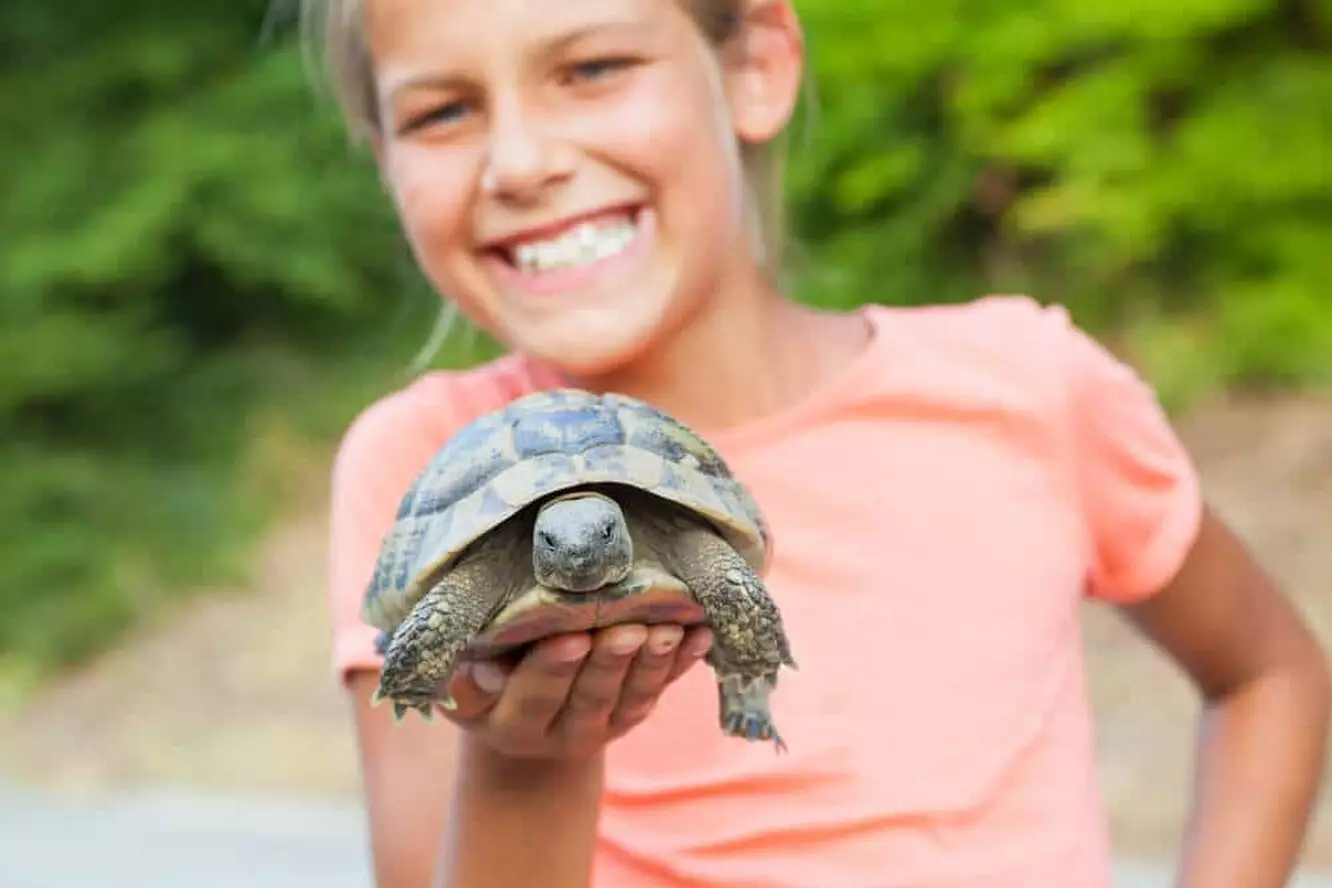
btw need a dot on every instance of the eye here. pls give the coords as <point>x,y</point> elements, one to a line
<point>444,114</point>
<point>597,69</point>
<point>546,539</point>
<point>608,532</point>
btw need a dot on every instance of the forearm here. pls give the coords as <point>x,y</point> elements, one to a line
<point>521,822</point>
<point>1261,752</point>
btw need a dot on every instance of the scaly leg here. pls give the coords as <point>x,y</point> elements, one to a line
<point>750,643</point>
<point>423,650</point>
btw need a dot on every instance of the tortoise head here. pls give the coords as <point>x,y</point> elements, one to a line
<point>581,542</point>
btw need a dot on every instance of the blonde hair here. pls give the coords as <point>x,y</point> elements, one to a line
<point>335,30</point>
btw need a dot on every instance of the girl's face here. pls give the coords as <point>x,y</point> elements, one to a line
<point>568,173</point>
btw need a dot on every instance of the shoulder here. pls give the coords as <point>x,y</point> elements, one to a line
<point>1013,330</point>
<point>1013,342</point>
<point>1006,352</point>
<point>1020,355</point>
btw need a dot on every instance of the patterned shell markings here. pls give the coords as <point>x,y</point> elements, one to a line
<point>537,445</point>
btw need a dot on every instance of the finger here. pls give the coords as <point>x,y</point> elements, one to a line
<point>697,642</point>
<point>597,689</point>
<point>475,688</point>
<point>537,689</point>
<point>647,677</point>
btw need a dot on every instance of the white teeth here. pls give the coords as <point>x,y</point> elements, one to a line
<point>581,245</point>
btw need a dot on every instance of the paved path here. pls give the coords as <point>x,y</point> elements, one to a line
<point>170,840</point>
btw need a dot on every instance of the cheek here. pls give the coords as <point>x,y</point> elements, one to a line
<point>665,131</point>
<point>432,190</point>
<point>431,193</point>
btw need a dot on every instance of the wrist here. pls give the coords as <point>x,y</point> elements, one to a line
<point>503,772</point>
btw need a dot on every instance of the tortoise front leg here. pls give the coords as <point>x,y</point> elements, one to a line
<point>423,650</point>
<point>750,643</point>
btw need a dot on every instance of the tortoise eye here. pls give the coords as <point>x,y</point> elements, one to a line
<point>546,538</point>
<point>608,532</point>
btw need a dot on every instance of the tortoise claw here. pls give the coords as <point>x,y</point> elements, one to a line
<point>745,712</point>
<point>400,707</point>
<point>400,710</point>
<point>753,727</point>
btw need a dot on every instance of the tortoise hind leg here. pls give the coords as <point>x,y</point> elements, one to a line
<point>421,653</point>
<point>750,643</point>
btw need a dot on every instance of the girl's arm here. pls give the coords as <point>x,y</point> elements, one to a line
<point>521,821</point>
<point>407,778</point>
<point>1265,685</point>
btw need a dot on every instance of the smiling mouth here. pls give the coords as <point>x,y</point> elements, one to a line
<point>580,245</point>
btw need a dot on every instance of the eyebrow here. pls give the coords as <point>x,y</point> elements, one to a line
<point>545,47</point>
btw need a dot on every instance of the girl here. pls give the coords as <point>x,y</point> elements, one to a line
<point>588,181</point>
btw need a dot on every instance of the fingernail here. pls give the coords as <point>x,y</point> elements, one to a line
<point>665,640</point>
<point>571,650</point>
<point>488,677</point>
<point>627,641</point>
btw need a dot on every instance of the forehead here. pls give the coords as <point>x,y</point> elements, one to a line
<point>473,28</point>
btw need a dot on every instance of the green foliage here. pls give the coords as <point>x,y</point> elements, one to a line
<point>1149,165</point>
<point>183,242</point>
<point>188,248</point>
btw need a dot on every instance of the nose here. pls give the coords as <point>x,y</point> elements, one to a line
<point>523,158</point>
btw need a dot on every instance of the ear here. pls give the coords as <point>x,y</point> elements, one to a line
<point>764,70</point>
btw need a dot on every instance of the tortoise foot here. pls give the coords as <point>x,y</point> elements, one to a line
<point>745,712</point>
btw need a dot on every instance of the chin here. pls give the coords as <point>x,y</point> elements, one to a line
<point>590,347</point>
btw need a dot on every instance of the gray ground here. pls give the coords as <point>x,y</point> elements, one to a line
<point>171,839</point>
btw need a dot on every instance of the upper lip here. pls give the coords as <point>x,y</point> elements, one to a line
<point>540,232</point>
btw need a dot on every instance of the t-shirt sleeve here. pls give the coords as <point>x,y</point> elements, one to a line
<point>1137,485</point>
<point>379,456</point>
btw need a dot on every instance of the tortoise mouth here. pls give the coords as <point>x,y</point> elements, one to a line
<point>582,581</point>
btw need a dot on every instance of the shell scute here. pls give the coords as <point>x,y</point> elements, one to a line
<point>571,430</point>
<point>535,477</point>
<point>464,466</point>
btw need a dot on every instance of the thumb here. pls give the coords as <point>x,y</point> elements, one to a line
<point>474,687</point>
<point>489,677</point>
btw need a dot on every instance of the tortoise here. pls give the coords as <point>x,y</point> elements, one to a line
<point>566,511</point>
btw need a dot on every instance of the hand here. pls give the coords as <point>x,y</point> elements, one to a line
<point>572,694</point>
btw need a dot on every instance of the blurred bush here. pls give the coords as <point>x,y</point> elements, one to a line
<point>189,252</point>
<point>1161,169</point>
<point>184,248</point>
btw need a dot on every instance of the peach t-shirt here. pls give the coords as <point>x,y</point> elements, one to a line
<point>939,513</point>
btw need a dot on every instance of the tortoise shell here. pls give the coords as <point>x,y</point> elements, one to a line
<point>537,445</point>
